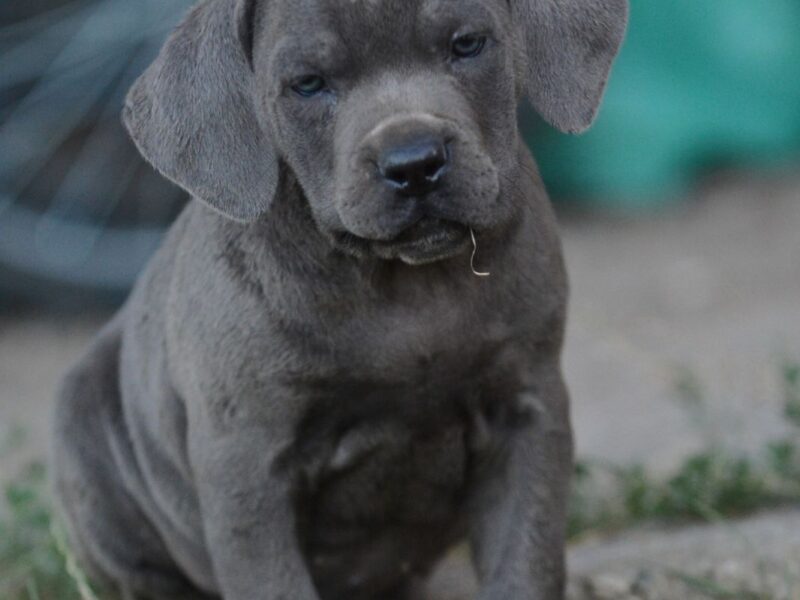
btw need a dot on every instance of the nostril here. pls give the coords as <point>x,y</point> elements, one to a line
<point>435,169</point>
<point>396,175</point>
<point>414,169</point>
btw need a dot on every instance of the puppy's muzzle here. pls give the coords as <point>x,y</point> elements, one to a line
<point>410,170</point>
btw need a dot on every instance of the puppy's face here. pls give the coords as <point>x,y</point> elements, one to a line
<point>397,116</point>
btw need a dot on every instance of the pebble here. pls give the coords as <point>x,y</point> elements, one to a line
<point>609,586</point>
<point>731,574</point>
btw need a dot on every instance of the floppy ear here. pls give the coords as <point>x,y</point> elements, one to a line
<point>192,113</point>
<point>570,45</point>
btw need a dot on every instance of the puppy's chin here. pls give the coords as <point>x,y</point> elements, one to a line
<point>429,240</point>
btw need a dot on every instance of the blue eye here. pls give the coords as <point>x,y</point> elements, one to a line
<point>308,86</point>
<point>468,46</point>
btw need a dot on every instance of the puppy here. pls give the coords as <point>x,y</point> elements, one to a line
<point>310,395</point>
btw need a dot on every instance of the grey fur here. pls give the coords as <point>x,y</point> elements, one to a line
<point>570,46</point>
<point>309,395</point>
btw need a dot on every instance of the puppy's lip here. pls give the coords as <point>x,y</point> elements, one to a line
<point>428,240</point>
<point>424,229</point>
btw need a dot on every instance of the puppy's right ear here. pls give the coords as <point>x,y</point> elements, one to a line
<point>192,113</point>
<point>570,45</point>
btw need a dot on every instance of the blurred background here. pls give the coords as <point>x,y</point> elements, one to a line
<point>681,223</point>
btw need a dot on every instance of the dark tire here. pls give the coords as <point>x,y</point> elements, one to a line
<point>80,212</point>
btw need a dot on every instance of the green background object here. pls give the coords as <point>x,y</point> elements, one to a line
<point>699,84</point>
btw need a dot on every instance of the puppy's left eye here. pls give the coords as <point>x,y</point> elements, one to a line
<point>468,46</point>
<point>308,86</point>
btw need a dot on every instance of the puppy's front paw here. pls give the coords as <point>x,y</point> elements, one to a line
<point>508,591</point>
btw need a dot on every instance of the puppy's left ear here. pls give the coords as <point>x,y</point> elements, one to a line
<point>192,113</point>
<point>570,45</point>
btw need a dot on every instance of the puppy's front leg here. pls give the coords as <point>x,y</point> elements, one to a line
<point>518,528</point>
<point>249,522</point>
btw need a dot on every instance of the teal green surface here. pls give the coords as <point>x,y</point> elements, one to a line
<point>699,84</point>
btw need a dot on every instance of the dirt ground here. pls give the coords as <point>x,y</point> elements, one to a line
<point>710,293</point>
<point>704,296</point>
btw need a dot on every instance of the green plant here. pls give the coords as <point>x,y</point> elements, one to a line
<point>709,588</point>
<point>714,483</point>
<point>791,392</point>
<point>31,567</point>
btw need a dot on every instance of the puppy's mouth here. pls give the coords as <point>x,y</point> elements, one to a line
<point>427,241</point>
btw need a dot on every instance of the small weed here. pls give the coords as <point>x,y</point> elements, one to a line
<point>706,586</point>
<point>713,482</point>
<point>791,392</point>
<point>11,440</point>
<point>689,388</point>
<point>31,567</point>
<point>707,483</point>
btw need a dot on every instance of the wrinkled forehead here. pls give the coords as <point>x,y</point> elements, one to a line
<point>379,27</point>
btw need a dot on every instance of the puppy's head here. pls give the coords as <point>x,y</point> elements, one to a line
<point>398,117</point>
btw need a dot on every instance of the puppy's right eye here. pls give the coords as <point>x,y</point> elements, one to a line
<point>309,86</point>
<point>468,46</point>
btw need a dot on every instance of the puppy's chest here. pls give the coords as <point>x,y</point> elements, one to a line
<point>400,453</point>
<point>381,498</point>
<point>390,472</point>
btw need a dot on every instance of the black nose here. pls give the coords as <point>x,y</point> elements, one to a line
<point>416,168</point>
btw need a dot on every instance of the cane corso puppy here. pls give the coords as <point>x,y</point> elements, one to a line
<point>315,389</point>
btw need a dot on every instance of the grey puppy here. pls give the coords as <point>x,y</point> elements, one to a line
<point>309,394</point>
